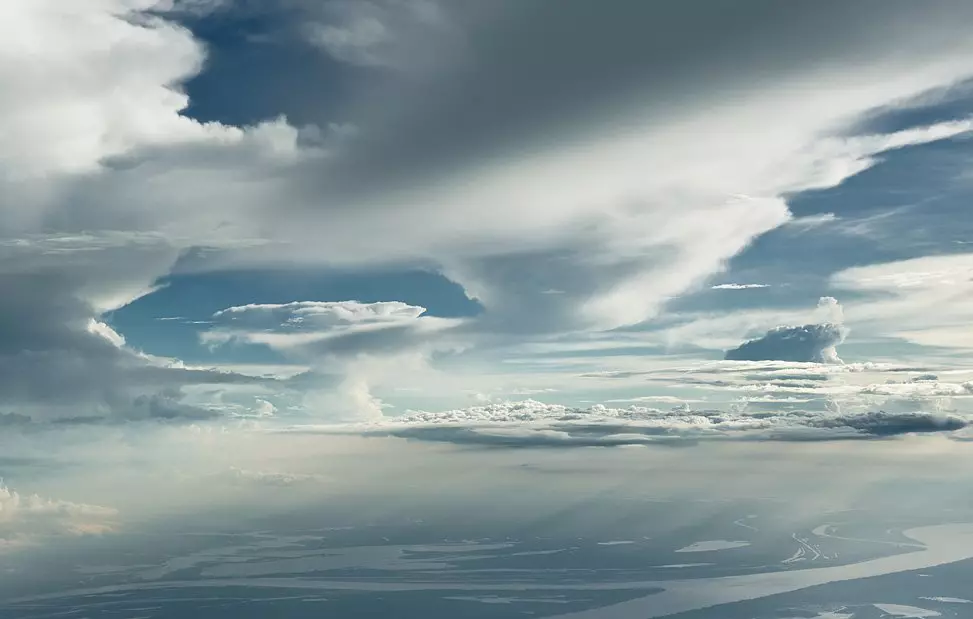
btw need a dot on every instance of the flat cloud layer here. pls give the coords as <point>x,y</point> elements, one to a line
<point>535,424</point>
<point>317,327</point>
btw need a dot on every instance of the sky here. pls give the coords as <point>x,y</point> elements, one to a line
<point>511,224</point>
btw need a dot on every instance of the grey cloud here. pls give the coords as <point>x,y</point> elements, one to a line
<point>679,48</point>
<point>530,438</point>
<point>386,34</point>
<point>168,404</point>
<point>514,287</point>
<point>808,343</point>
<point>186,182</point>
<point>542,96</point>
<point>533,424</point>
<point>192,7</point>
<point>374,32</point>
<point>53,364</point>
<point>787,378</point>
<point>889,424</point>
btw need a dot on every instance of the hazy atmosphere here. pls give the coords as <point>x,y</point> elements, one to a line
<point>470,308</point>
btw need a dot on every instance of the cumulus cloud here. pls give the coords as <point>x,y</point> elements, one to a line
<point>107,184</point>
<point>27,518</point>
<point>348,345</point>
<point>535,424</point>
<point>811,343</point>
<point>831,310</point>
<point>92,212</point>
<point>808,343</point>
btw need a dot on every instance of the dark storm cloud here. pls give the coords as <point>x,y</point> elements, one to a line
<point>807,343</point>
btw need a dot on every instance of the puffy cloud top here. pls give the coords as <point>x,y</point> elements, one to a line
<point>807,343</point>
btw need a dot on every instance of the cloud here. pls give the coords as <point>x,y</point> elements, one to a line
<point>918,389</point>
<point>373,32</point>
<point>57,359</point>
<point>577,179</point>
<point>738,286</point>
<point>93,213</point>
<point>926,301</point>
<point>562,201</point>
<point>810,222</point>
<point>348,346</point>
<point>853,388</point>
<point>890,424</point>
<point>311,329</point>
<point>247,477</point>
<point>28,518</point>
<point>808,343</point>
<point>534,424</point>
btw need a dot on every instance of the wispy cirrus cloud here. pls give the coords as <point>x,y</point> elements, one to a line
<point>739,286</point>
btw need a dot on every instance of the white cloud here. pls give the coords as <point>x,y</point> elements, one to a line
<point>810,222</point>
<point>738,286</point>
<point>28,518</point>
<point>621,208</point>
<point>349,346</point>
<point>104,184</point>
<point>534,424</point>
<point>269,478</point>
<point>926,301</point>
<point>312,324</point>
<point>809,343</point>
